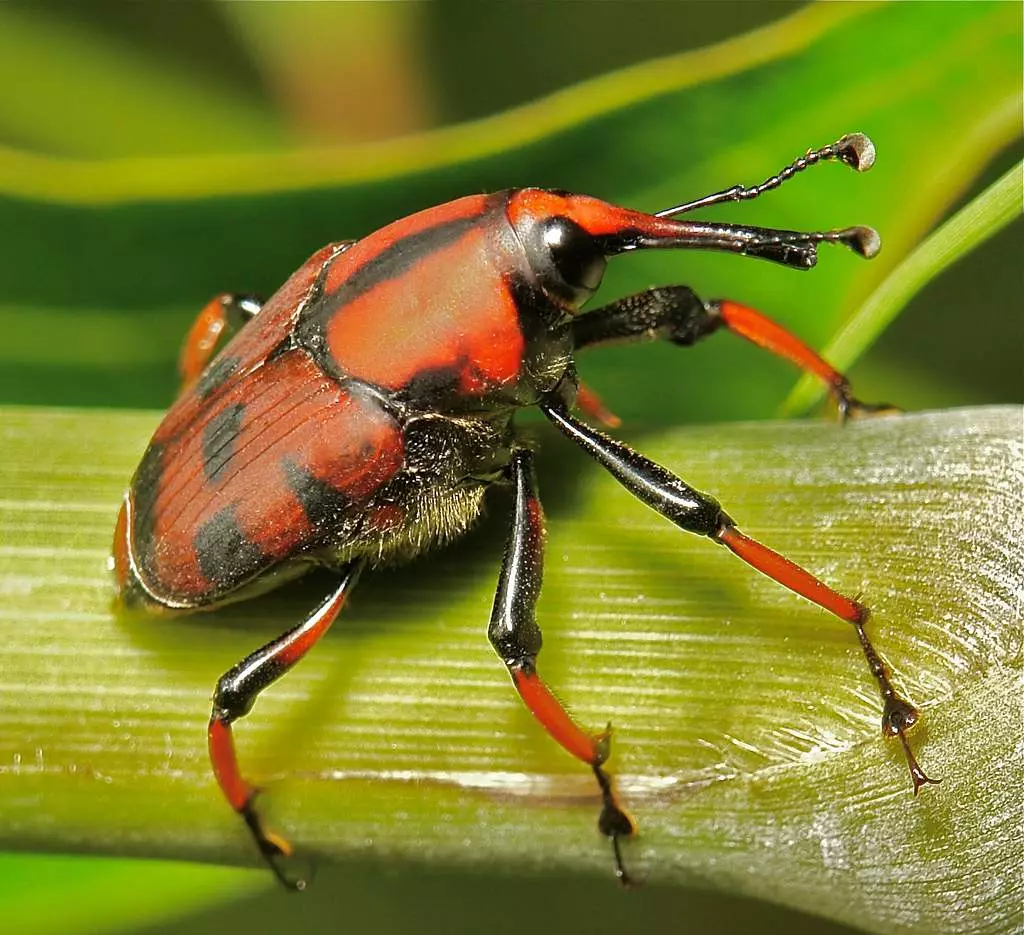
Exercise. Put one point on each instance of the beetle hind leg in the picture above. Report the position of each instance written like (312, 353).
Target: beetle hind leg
(516, 637)
(235, 695)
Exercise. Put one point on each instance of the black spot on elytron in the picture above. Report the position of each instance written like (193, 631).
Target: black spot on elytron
(226, 556)
(219, 439)
(329, 510)
(145, 486)
(216, 375)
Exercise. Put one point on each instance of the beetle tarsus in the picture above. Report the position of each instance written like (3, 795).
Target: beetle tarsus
(274, 849)
(852, 408)
(614, 823)
(898, 714)
(917, 775)
(898, 717)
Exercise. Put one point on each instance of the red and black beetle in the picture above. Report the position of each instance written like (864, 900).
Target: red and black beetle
(360, 415)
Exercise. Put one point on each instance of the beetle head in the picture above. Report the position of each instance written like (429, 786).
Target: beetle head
(568, 238)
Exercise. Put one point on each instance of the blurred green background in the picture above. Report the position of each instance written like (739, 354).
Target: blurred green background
(95, 294)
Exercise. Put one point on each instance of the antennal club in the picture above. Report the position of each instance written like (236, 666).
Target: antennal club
(855, 149)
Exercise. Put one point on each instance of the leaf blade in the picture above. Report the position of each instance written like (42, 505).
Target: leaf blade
(668, 636)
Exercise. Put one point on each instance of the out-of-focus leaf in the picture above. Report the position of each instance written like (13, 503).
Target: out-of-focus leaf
(747, 725)
(72, 91)
(341, 72)
(151, 239)
(985, 216)
(106, 896)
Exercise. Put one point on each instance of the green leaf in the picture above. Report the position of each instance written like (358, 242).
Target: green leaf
(747, 735)
(133, 247)
(85, 906)
(1001, 203)
(74, 91)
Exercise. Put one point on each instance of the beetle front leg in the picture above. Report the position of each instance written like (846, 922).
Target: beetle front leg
(696, 512)
(678, 315)
(516, 637)
(226, 313)
(236, 693)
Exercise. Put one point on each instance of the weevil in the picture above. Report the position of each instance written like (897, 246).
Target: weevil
(358, 417)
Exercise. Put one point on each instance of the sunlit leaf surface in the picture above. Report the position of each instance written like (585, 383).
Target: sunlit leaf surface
(747, 726)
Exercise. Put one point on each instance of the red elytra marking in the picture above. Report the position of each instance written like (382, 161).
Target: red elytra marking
(376, 243)
(453, 310)
(122, 560)
(791, 575)
(765, 333)
(553, 717)
(353, 448)
(251, 346)
(292, 411)
(225, 765)
(186, 498)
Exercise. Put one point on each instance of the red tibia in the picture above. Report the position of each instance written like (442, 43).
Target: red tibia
(547, 709)
(590, 403)
(225, 765)
(765, 333)
(791, 575)
(201, 341)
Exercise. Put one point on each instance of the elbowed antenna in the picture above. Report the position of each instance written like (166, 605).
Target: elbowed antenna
(855, 149)
(796, 249)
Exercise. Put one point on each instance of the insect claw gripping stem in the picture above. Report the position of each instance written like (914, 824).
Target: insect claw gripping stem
(614, 824)
(898, 714)
(273, 848)
(852, 408)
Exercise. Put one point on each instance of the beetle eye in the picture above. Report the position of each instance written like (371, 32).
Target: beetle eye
(579, 260)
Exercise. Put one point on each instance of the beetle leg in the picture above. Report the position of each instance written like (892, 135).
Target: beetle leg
(516, 637)
(236, 693)
(221, 315)
(590, 403)
(677, 314)
(696, 512)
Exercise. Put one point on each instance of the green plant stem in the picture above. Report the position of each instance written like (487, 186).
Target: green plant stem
(747, 733)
